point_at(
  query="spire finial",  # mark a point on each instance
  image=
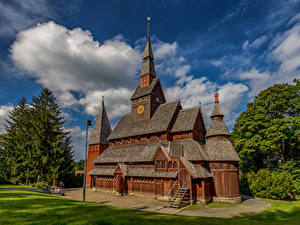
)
(148, 29)
(216, 98)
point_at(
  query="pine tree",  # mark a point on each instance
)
(36, 147)
(51, 142)
(17, 143)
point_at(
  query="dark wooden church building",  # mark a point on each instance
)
(163, 150)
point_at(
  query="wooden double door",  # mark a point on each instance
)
(120, 184)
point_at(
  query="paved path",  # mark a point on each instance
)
(152, 205)
(249, 206)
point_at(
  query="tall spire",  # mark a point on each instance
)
(148, 67)
(101, 129)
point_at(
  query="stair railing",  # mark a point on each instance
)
(172, 188)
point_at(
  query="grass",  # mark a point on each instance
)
(210, 205)
(24, 207)
(17, 186)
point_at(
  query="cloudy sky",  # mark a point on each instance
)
(82, 50)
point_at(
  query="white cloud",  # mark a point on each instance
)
(163, 49)
(116, 102)
(287, 50)
(255, 44)
(78, 141)
(256, 80)
(4, 113)
(65, 60)
(195, 90)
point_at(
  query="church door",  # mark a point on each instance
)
(119, 183)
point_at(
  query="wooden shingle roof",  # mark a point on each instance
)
(133, 171)
(101, 129)
(143, 152)
(221, 150)
(159, 122)
(196, 170)
(140, 92)
(217, 128)
(190, 149)
(185, 120)
(217, 111)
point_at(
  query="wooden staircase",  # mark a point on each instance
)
(180, 198)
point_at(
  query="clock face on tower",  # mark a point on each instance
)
(140, 109)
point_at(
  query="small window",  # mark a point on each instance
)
(228, 166)
(221, 166)
(138, 139)
(129, 140)
(212, 166)
(122, 141)
(163, 164)
(148, 138)
(158, 164)
(174, 164)
(159, 136)
(170, 164)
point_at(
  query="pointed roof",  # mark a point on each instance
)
(217, 126)
(101, 129)
(217, 111)
(148, 67)
(148, 50)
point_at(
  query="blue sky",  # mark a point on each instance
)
(82, 50)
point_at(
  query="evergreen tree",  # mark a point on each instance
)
(50, 140)
(16, 143)
(267, 134)
(36, 146)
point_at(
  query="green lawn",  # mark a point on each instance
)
(24, 207)
(17, 186)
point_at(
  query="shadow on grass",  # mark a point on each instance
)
(34, 208)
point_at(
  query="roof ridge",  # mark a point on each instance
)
(190, 108)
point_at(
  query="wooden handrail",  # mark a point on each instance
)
(172, 188)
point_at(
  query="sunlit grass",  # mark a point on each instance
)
(24, 207)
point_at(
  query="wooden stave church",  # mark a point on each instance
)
(160, 147)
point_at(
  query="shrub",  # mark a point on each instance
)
(274, 185)
(244, 185)
(39, 185)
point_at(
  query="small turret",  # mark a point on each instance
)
(217, 126)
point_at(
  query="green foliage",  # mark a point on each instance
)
(39, 185)
(267, 134)
(293, 168)
(274, 185)
(36, 146)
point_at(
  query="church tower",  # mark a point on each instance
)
(224, 159)
(98, 139)
(149, 94)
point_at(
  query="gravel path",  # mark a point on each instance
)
(251, 206)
